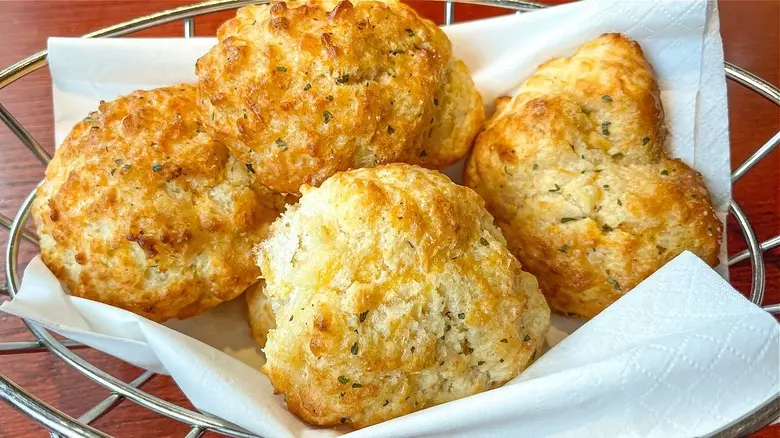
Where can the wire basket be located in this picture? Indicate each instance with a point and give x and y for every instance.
(61, 424)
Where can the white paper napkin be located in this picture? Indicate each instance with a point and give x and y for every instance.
(636, 369)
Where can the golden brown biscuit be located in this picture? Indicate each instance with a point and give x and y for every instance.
(393, 291)
(574, 170)
(302, 91)
(143, 210)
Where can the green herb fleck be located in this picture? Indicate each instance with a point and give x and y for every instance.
(619, 203)
(329, 98)
(343, 380)
(307, 87)
(645, 140)
(281, 68)
(447, 328)
(387, 402)
(461, 315)
(507, 171)
(423, 153)
(327, 116)
(661, 249)
(569, 219)
(343, 79)
(484, 241)
(412, 349)
(504, 340)
(618, 156)
(605, 186)
(390, 129)
(564, 248)
(126, 166)
(112, 172)
(614, 283)
(343, 420)
(357, 385)
(291, 318)
(482, 362)
(409, 32)
(526, 338)
(606, 228)
(435, 102)
(557, 188)
(354, 348)
(212, 116)
(118, 161)
(363, 316)
(605, 128)
(89, 119)
(156, 167)
(250, 168)
(535, 166)
(441, 363)
(471, 350)
(501, 360)
(606, 99)
(281, 144)
(665, 172)
(411, 245)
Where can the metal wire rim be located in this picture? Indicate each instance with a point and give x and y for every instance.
(60, 423)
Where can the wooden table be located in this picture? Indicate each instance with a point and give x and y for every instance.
(750, 34)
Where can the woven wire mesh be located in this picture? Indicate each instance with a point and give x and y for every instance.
(61, 424)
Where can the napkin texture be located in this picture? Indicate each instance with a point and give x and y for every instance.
(680, 355)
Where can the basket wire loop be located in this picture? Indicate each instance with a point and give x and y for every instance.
(60, 424)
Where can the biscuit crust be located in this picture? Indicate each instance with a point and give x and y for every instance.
(574, 170)
(141, 209)
(393, 291)
(304, 90)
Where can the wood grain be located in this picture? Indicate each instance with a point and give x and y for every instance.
(751, 38)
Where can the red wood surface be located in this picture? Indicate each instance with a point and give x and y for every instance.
(751, 36)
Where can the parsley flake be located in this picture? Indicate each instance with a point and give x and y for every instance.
(482, 362)
(357, 385)
(343, 380)
(606, 99)
(329, 98)
(354, 348)
(343, 79)
(535, 166)
(343, 420)
(557, 188)
(484, 241)
(409, 32)
(504, 341)
(619, 203)
(569, 219)
(461, 315)
(665, 172)
(614, 283)
(156, 167)
(363, 316)
(118, 161)
(605, 128)
(645, 140)
(423, 153)
(281, 144)
(435, 102)
(606, 228)
(526, 338)
(390, 129)
(307, 87)
(564, 248)
(617, 156)
(281, 68)
(327, 116)
(250, 168)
